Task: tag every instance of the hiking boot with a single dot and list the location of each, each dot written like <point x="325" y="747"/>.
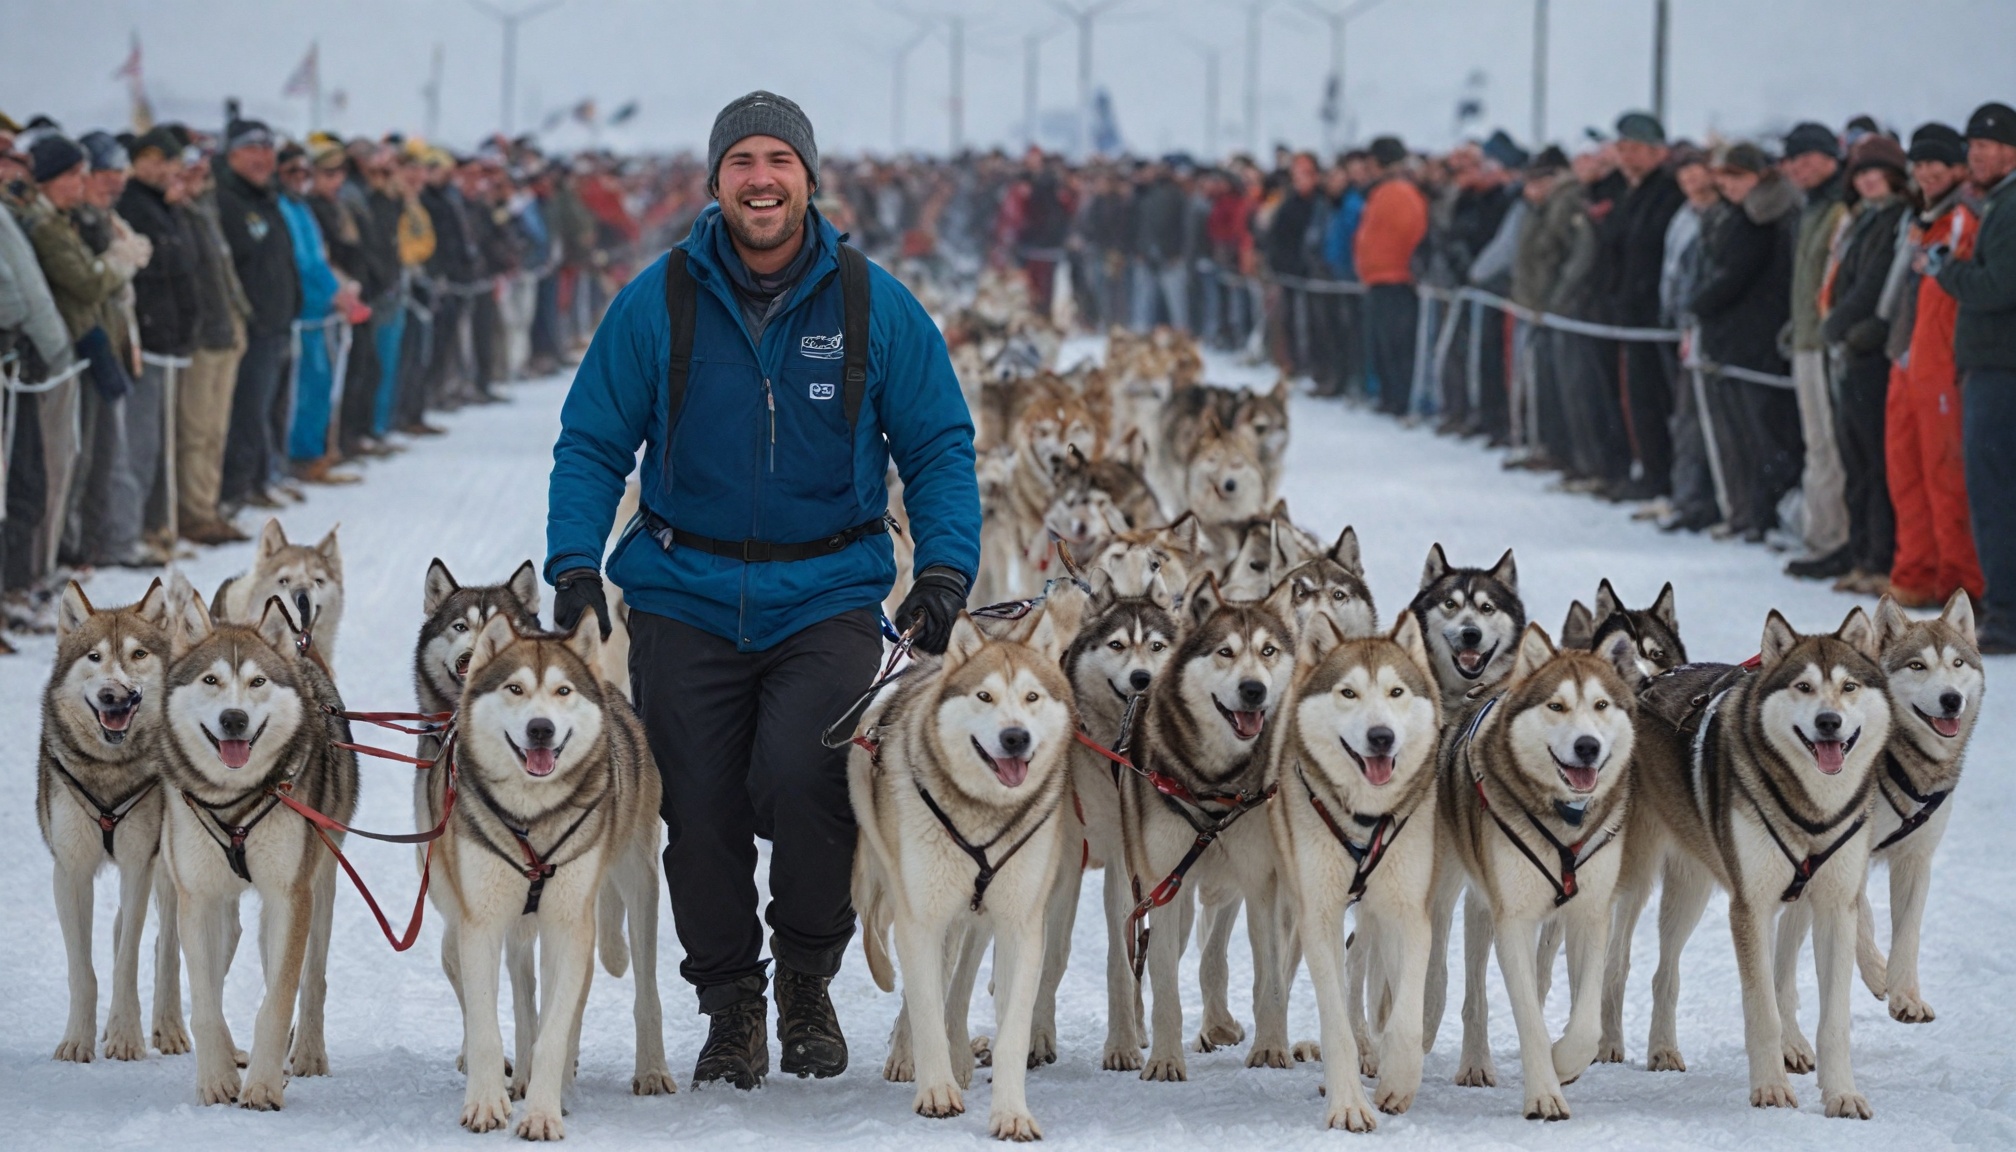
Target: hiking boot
<point x="738" y="1046"/>
<point x="807" y="1027"/>
<point x="1833" y="565"/>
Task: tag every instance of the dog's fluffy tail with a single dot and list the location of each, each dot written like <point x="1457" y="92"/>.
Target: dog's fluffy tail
<point x="609" y="930"/>
<point x="871" y="899"/>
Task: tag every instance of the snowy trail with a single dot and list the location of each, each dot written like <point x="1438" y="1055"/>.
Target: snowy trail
<point x="476" y="499"/>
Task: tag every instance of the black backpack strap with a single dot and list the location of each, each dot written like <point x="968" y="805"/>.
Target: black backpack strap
<point x="682" y="303"/>
<point x="854" y="304"/>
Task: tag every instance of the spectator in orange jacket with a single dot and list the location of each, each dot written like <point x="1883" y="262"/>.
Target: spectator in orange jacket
<point x="1395" y="220"/>
<point x="1928" y="480"/>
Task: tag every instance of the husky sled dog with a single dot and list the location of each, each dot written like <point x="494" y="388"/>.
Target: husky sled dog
<point x="248" y="712"/>
<point x="1268" y="546"/>
<point x="1333" y="585"/>
<point x="1355" y="824"/>
<point x="1654" y="631"/>
<point x="1136" y="558"/>
<point x="1201" y="746"/>
<point x="1536" y="786"/>
<point x="559" y="811"/>
<point x="1762" y="783"/>
<point x="1472" y="619"/>
<point x="1936" y="682"/>
<point x="1224" y="483"/>
<point x="1098" y="499"/>
<point x="308" y="578"/>
<point x="959" y="786"/>
<point x="98" y="799"/>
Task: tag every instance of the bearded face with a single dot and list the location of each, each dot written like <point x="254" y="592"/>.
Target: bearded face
<point x="764" y="189"/>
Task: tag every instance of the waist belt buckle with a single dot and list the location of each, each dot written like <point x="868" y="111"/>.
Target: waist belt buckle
<point x="756" y="551"/>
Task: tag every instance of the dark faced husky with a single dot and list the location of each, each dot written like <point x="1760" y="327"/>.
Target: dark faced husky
<point x="1354" y="823"/>
<point x="1654" y="631"/>
<point x="1760" y="783"/>
<point x="959" y="785"/>
<point x="1471" y="618"/>
<point x="248" y="713"/>
<point x="1201" y="742"/>
<point x="558" y="812"/>
<point x="1333" y="584"/>
<point x="308" y="578"/>
<point x="1936" y="683"/>
<point x="98" y="800"/>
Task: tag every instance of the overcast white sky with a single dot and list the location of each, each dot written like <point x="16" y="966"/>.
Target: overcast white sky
<point x="1737" y="65"/>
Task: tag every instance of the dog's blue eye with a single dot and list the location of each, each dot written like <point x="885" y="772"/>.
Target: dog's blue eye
<point x="1557" y="706"/>
<point x="1348" y="694"/>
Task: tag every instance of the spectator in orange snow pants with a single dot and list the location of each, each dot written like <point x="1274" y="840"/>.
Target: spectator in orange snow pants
<point x="1928" y="482"/>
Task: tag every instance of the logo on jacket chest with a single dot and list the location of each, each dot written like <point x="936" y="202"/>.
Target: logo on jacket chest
<point x="822" y="391"/>
<point x="821" y="348"/>
<point x="256" y="227"/>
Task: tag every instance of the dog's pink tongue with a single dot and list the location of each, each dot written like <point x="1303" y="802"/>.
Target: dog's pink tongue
<point x="1247" y="725"/>
<point x="1010" y="771"/>
<point x="1944" y="725"/>
<point x="1828" y="754"/>
<point x="1470" y="659"/>
<point x="117" y="721"/>
<point x="234" y="753"/>
<point x="540" y="761"/>
<point x="1581" y="779"/>
<point x="1378" y="769"/>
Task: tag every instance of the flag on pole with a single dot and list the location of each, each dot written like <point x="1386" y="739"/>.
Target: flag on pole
<point x="585" y="111"/>
<point x="136" y="88"/>
<point x="623" y="114"/>
<point x="307" y="76"/>
<point x="130" y="70"/>
<point x="1333" y="102"/>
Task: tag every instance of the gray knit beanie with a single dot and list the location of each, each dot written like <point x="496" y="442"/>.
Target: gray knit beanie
<point x="761" y="114"/>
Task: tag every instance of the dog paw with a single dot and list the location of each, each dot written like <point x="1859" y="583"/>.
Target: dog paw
<point x="1480" y="1074"/>
<point x="1798" y="1054"/>
<point x="1777" y="1095"/>
<point x="899" y="1069"/>
<point x="657" y="1082"/>
<point x="1664" y="1060"/>
<point x="1308" y="1052"/>
<point x="240" y="1056"/>
<point x="79" y="1051"/>
<point x="1368" y="1061"/>
<point x="1126" y="1058"/>
<point x="264" y="1095"/>
<point x="539" y="1125"/>
<point x="983" y="1051"/>
<point x="221" y="1088"/>
<point x="309" y="1061"/>
<point x="1609" y="1052"/>
<point x="486" y="1113"/>
<point x="1166" y="1068"/>
<point x="1350" y="1115"/>
<point x="1042" y="1048"/>
<point x="124" y="1042"/>
<point x="1908" y="1008"/>
<point x="517" y="1089"/>
<point x="1393" y="1101"/>
<point x="939" y="1101"/>
<point x="170" y="1037"/>
<point x="1270" y="1056"/>
<point x="1546" y="1106"/>
<point x="1220" y="1034"/>
<point x="1849" y="1106"/>
<point x="1016" y="1125"/>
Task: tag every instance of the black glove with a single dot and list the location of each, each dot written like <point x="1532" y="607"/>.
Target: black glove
<point x="940" y="595"/>
<point x="576" y="589"/>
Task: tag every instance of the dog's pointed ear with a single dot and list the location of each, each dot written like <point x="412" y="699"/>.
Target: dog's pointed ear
<point x="1437" y="566"/>
<point x="1210" y="427"/>
<point x="1133" y="449"/>
<point x="1345" y="552"/>
<point x="498" y="634"/>
<point x="193" y="621"/>
<point x="1320" y="639"/>
<point x="272" y="538"/>
<point x="966" y="641"/>
<point x="1506" y="572"/>
<point x="1103" y="592"/>
<point x="1187" y="533"/>
<point x="1579" y="629"/>
<point x="1959" y="615"/>
<point x="1281" y="601"/>
<point x="331" y="554"/>
<point x="1407" y="634"/>
<point x="1622" y="653"/>
<point x="1860" y="634"/>
<point x="1664" y="610"/>
<point x="1281" y="392"/>
<point x="1535" y="649"/>
<point x="1158" y="592"/>
<point x="585" y="641"/>
<point x="1779" y="637"/>
<point x="1891" y="622"/>
<point x="276" y="626"/>
<point x="1203" y="596"/>
<point x="153" y="605"/>
<point x="1280" y="511"/>
<point x="440" y="585"/>
<point x="1057" y="625"/>
<point x="73" y="609"/>
<point x="524" y="584"/>
<point x="1607" y="604"/>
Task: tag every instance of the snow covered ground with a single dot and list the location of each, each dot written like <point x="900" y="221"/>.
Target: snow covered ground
<point x="476" y="498"/>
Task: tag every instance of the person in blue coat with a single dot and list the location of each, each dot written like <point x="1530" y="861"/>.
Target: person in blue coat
<point x="758" y="559"/>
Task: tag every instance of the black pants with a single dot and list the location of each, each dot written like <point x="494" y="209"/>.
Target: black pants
<point x="1392" y="312"/>
<point x="1860" y="398"/>
<point x="1648" y="392"/>
<point x="1989" y="423"/>
<point x="736" y="738"/>
<point x="1598" y="446"/>
<point x="250" y="446"/>
<point x="360" y="387"/>
<point x="1764" y="428"/>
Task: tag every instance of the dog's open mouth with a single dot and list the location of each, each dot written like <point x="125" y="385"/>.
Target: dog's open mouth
<point x="1828" y="755"/>
<point x="1579" y="778"/>
<point x="461" y="665"/>
<point x="1377" y="769"/>
<point x="1471" y="662"/>
<point x="540" y="760"/>
<point x="1010" y="770"/>
<point x="1245" y="725"/>
<point x="1947" y="726"/>
<point x="234" y="753"/>
<point x="113" y="723"/>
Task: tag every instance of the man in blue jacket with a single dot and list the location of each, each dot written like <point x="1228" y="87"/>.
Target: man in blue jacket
<point x="771" y="375"/>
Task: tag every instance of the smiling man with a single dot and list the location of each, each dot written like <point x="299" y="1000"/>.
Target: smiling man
<point x="771" y="375"/>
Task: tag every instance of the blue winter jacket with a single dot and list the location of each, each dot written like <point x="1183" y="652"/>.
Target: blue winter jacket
<point x="743" y="469"/>
<point x="1342" y="231"/>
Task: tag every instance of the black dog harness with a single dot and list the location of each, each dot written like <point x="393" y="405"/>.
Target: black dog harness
<point x="983" y="878"/>
<point x="231" y="836"/>
<point x="109" y="816"/>
<point x="536" y="867"/>
<point x="1927" y="804"/>
<point x="1571" y="856"/>
<point x="1368" y="855"/>
<point x="1179" y="800"/>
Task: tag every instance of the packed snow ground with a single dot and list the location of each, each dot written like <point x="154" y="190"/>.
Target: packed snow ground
<point x="476" y="498"/>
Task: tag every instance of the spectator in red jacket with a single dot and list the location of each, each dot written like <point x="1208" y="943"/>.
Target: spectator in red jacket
<point x="1395" y="220"/>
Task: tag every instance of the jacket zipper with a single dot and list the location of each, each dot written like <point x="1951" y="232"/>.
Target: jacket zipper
<point x="770" y="401"/>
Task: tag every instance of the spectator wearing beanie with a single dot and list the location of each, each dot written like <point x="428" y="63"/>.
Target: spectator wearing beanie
<point x="1856" y="334"/>
<point x="1984" y="351"/>
<point x="262" y="251"/>
<point x="1812" y="162"/>
<point x="1922" y="434"/>
<point x="1632" y="244"/>
<point x="1393" y="224"/>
